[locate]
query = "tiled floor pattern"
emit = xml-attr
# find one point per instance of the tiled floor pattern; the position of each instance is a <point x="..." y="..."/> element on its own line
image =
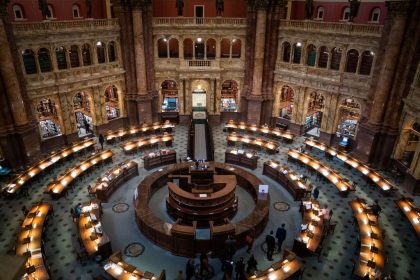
<point x="402" y="248"/>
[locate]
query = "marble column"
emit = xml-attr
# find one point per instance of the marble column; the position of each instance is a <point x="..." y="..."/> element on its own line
<point x="300" y="107"/>
<point x="327" y="131"/>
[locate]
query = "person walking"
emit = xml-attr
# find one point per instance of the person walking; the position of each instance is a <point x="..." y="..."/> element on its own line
<point x="251" y="265"/>
<point x="250" y="238"/>
<point x="189" y="269"/>
<point x="101" y="140"/>
<point x="271" y="244"/>
<point x="240" y="269"/>
<point x="315" y="193"/>
<point x="281" y="236"/>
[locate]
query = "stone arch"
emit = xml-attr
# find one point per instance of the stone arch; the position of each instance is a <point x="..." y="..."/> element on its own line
<point x="229" y="96"/>
<point x="48" y="113"/>
<point x="112" y="102"/>
<point x="169" y="90"/>
<point x="284" y="97"/>
<point x="348" y="115"/>
<point x="83" y="112"/>
<point x="314" y="109"/>
<point x="406" y="146"/>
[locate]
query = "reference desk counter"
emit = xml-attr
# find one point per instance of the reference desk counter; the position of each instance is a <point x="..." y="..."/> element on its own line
<point x="130" y="147"/>
<point x="90" y="230"/>
<point x="241" y="157"/>
<point x="280" y="270"/>
<point x="255" y="143"/>
<point x="411" y="212"/>
<point x="120" y="270"/>
<point x="56" y="188"/>
<point x="371" y="257"/>
<point x="385" y="186"/>
<point x="264" y="130"/>
<point x="122" y="133"/>
<point x="290" y="180"/>
<point x="114" y="178"/>
<point x="163" y="157"/>
<point x="29" y="241"/>
<point x="37" y="168"/>
<point x="342" y="185"/>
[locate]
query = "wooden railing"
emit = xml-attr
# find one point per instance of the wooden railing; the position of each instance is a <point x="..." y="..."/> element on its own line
<point x="170" y="21"/>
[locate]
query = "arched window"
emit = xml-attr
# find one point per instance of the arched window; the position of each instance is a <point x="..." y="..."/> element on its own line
<point x="311" y="55"/>
<point x="111" y="103"/>
<point x="286" y="102"/>
<point x="286" y="52"/>
<point x="83" y="113"/>
<point x="366" y="63"/>
<point x="229" y="96"/>
<point x="28" y="57"/>
<point x="349" y="115"/>
<point x="76" y="11"/>
<point x="375" y="14"/>
<point x="74" y="56"/>
<point x="44" y="60"/>
<point x="50" y="12"/>
<point x="111" y="52"/>
<point x="199" y="48"/>
<point x="225" y="48"/>
<point x="100" y="52"/>
<point x="335" y="59"/>
<point x="320" y="13"/>
<point x="169" y="96"/>
<point x="86" y="55"/>
<point x="60" y="54"/>
<point x="323" y="57"/>
<point x="352" y="60"/>
<point x="315" y="112"/>
<point x="18" y="12"/>
<point x="211" y="48"/>
<point x="346" y="14"/>
<point x="49" y="122"/>
<point x="236" y="48"/>
<point x="162" y="48"/>
<point x="188" y="49"/>
<point x="297" y="52"/>
<point x="173" y="48"/>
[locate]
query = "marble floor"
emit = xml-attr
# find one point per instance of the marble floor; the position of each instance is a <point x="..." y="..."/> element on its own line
<point x="401" y="246"/>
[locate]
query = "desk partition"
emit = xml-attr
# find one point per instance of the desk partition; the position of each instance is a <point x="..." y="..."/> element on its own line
<point x="280" y="270"/>
<point x="37" y="168"/>
<point x="241" y="157"/>
<point x="411" y="212"/>
<point x="383" y="184"/>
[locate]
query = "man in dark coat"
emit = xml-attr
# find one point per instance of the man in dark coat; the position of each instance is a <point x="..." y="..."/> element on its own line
<point x="271" y="244"/>
<point x="190" y="269"/>
<point x="281" y="236"/>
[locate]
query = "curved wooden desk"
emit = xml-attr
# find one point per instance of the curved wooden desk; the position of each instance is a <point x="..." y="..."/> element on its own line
<point x="241" y="157"/>
<point x="133" y="146"/>
<point x="257" y="143"/>
<point x="411" y="212"/>
<point x="123" y="133"/>
<point x="159" y="232"/>
<point x="276" y="133"/>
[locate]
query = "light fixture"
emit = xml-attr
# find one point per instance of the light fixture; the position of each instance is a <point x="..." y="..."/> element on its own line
<point x="298" y="44"/>
<point x="199" y="39"/>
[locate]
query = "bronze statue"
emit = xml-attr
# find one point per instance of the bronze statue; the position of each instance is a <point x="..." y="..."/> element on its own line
<point x="354" y="8"/>
<point x="180" y="6"/>
<point x="309" y="8"/>
<point x="43" y="6"/>
<point x="220" y="6"/>
<point x="89" y="8"/>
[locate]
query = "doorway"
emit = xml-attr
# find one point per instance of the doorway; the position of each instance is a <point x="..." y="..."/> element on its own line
<point x="199" y="14"/>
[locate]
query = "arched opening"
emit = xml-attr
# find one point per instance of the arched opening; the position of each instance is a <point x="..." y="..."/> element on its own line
<point x="411" y="138"/>
<point x="323" y="57"/>
<point x="352" y="61"/>
<point x="229" y="96"/>
<point x="199" y="96"/>
<point x="225" y="48"/>
<point x="86" y="55"/>
<point x="297" y="52"/>
<point x="74" y="56"/>
<point x="112" y="52"/>
<point x="170" y="96"/>
<point x="100" y="52"/>
<point x="60" y="54"/>
<point x="49" y="123"/>
<point x="349" y="113"/>
<point x="18" y="12"/>
<point x="346" y="14"/>
<point x="50" y="12"/>
<point x="320" y="13"/>
<point x="44" y="60"/>
<point x="286" y="52"/>
<point x="314" y="114"/>
<point x="211" y="48"/>
<point x="199" y="48"/>
<point x="173" y="48"/>
<point x="188" y="49"/>
<point x="162" y="48"/>
<point x="366" y="63"/>
<point x="83" y="114"/>
<point x="286" y="102"/>
<point x="236" y="48"/>
<point x="76" y="11"/>
<point x="311" y="55"/>
<point x="335" y="59"/>
<point x="375" y="15"/>
<point x="28" y="57"/>
<point x="111" y="103"/>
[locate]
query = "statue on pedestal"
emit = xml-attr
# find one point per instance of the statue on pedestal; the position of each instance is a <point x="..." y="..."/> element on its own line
<point x="89" y="8"/>
<point x="309" y="9"/>
<point x="179" y="7"/>
<point x="354" y="8"/>
<point x="220" y="6"/>
<point x="43" y="6"/>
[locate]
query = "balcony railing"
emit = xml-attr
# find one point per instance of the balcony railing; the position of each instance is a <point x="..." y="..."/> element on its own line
<point x="219" y="21"/>
<point x="45" y="27"/>
<point x="332" y="27"/>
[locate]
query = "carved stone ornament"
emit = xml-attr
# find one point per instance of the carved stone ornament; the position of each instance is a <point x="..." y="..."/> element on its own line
<point x="399" y="8"/>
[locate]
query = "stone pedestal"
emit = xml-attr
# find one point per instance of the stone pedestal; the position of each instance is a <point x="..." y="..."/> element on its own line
<point x="411" y="184"/>
<point x="297" y="129"/>
<point x="254" y="110"/>
<point x="326" y="138"/>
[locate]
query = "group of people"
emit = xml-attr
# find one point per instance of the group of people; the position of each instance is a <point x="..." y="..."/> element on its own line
<point x="271" y="241"/>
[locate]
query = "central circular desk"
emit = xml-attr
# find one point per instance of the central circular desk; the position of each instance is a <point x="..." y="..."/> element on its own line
<point x="180" y="238"/>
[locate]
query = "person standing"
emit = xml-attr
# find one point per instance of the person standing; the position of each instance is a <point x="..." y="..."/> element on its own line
<point x="240" y="269"/>
<point x="316" y="193"/>
<point x="101" y="140"/>
<point x="271" y="244"/>
<point x="251" y="265"/>
<point x="250" y="238"/>
<point x="189" y="269"/>
<point x="281" y="236"/>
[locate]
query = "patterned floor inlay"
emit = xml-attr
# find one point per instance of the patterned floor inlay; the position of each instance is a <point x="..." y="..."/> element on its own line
<point x="120" y="207"/>
<point x="281" y="206"/>
<point x="134" y="249"/>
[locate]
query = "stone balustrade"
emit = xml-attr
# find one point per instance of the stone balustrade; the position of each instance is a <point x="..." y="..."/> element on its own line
<point x="192" y="21"/>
